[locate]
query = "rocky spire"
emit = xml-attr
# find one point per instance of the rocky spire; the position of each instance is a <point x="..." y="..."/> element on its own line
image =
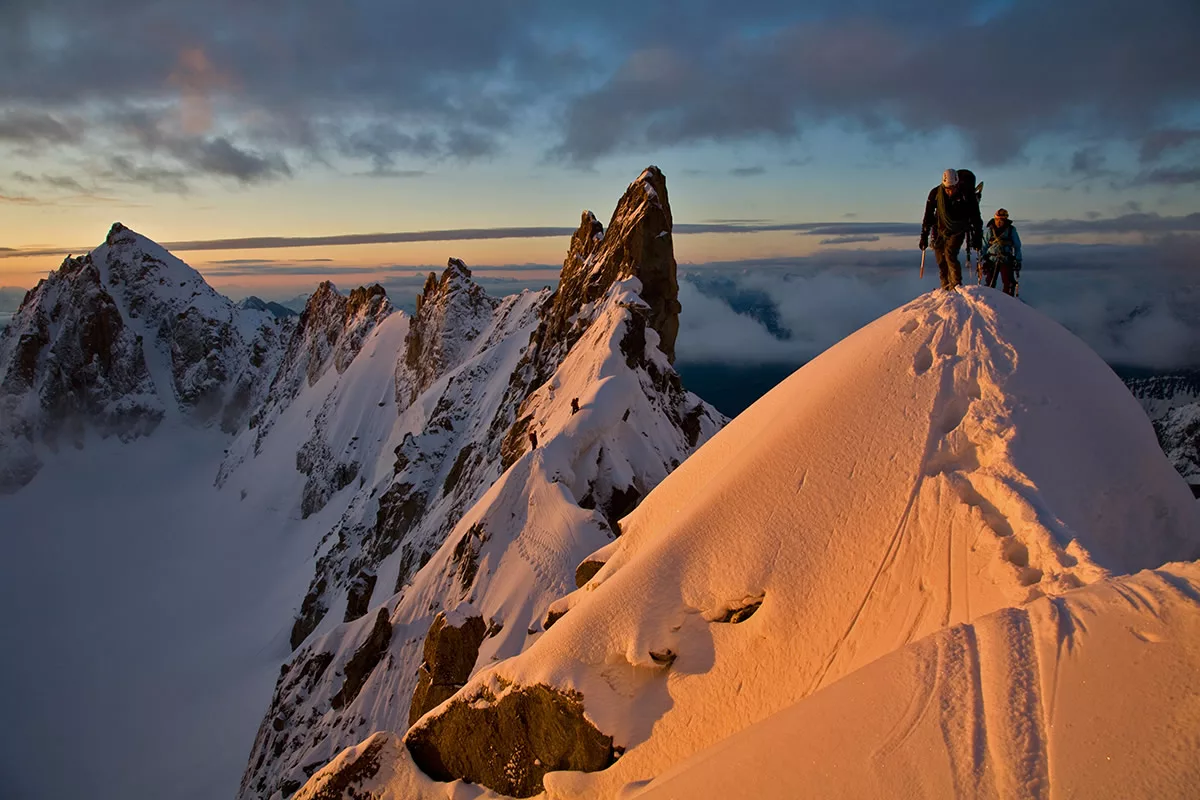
<point x="637" y="244"/>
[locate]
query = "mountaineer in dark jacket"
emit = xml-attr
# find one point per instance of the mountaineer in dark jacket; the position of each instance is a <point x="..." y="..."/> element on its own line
<point x="952" y="216"/>
<point x="1001" y="253"/>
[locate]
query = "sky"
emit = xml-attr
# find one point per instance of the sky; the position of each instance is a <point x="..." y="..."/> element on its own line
<point x="274" y="144"/>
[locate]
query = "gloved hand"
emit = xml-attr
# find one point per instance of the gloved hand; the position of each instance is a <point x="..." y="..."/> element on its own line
<point x="976" y="243"/>
<point x="924" y="241"/>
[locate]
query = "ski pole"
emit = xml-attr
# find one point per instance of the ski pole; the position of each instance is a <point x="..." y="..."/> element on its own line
<point x="922" y="264"/>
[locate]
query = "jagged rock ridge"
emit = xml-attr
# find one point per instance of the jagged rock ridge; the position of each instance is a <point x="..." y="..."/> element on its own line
<point x="509" y="410"/>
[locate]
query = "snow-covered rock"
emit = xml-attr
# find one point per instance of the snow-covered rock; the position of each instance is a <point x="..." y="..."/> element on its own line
<point x="961" y="455"/>
<point x="1171" y="401"/>
<point x="118" y="339"/>
<point x="521" y="431"/>
<point x="1179" y="434"/>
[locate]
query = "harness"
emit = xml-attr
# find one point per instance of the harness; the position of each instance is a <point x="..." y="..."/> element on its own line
<point x="1003" y="238"/>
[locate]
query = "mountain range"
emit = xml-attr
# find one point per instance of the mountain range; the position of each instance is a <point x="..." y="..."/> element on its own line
<point x="947" y="556"/>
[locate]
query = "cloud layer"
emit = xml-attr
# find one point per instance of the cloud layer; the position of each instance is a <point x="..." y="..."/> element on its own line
<point x="165" y="95"/>
<point x="1136" y="306"/>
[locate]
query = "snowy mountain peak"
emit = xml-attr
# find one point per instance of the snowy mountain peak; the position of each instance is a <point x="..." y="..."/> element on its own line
<point x="277" y="310"/>
<point x="119" y="339"/>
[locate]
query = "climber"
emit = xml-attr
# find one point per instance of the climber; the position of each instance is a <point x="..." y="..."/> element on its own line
<point x="952" y="216"/>
<point x="1001" y="253"/>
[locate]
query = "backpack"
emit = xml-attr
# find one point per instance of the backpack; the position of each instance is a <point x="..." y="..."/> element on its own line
<point x="967" y="177"/>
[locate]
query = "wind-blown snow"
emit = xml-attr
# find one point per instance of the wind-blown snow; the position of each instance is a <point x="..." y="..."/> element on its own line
<point x="960" y="455"/>
<point x="1088" y="695"/>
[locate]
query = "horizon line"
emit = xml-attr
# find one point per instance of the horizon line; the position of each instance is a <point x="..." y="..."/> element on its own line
<point x="1126" y="223"/>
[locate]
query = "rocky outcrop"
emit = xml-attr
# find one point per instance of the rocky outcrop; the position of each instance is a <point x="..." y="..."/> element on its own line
<point x="68" y="362"/>
<point x="546" y="726"/>
<point x="364" y="660"/>
<point x="638" y="245"/>
<point x="451" y="314"/>
<point x="346" y="777"/>
<point x="1171" y="402"/>
<point x="359" y="598"/>
<point x="327" y="474"/>
<point x="1178" y="433"/>
<point x="443" y="467"/>
<point x="451" y="648"/>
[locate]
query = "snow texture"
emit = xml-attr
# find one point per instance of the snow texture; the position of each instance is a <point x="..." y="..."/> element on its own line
<point x="961" y="455"/>
<point x="1091" y="694"/>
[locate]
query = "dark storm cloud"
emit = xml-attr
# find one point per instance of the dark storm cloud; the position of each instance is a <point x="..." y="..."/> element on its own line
<point x="1032" y="67"/>
<point x="1168" y="176"/>
<point x="251" y="91"/>
<point x="36" y="128"/>
<point x="1158" y="143"/>
<point x="222" y="158"/>
<point x="123" y="169"/>
<point x="231" y="89"/>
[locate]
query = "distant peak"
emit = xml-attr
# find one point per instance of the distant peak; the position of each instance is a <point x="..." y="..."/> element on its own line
<point x="118" y="232"/>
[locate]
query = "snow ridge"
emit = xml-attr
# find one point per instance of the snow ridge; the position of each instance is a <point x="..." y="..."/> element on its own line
<point x="512" y="462"/>
<point x="959" y="456"/>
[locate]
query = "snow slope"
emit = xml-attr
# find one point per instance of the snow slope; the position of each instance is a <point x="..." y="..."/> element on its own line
<point x="960" y="455"/>
<point x="1091" y="694"/>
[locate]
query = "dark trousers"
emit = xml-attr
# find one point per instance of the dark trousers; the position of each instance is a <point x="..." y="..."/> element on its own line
<point x="1006" y="271"/>
<point x="946" y="252"/>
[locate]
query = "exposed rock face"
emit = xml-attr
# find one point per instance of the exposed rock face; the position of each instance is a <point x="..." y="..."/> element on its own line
<point x="1179" y="435"/>
<point x="364" y="660"/>
<point x="451" y="313"/>
<point x="330" y="331"/>
<point x="326" y="473"/>
<point x="450" y="653"/>
<point x="637" y="244"/>
<point x="352" y="769"/>
<point x="359" y="599"/>
<point x="544" y="725"/>
<point x="329" y="334"/>
<point x="1171" y="401"/>
<point x="587" y="570"/>
<point x="84" y="350"/>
